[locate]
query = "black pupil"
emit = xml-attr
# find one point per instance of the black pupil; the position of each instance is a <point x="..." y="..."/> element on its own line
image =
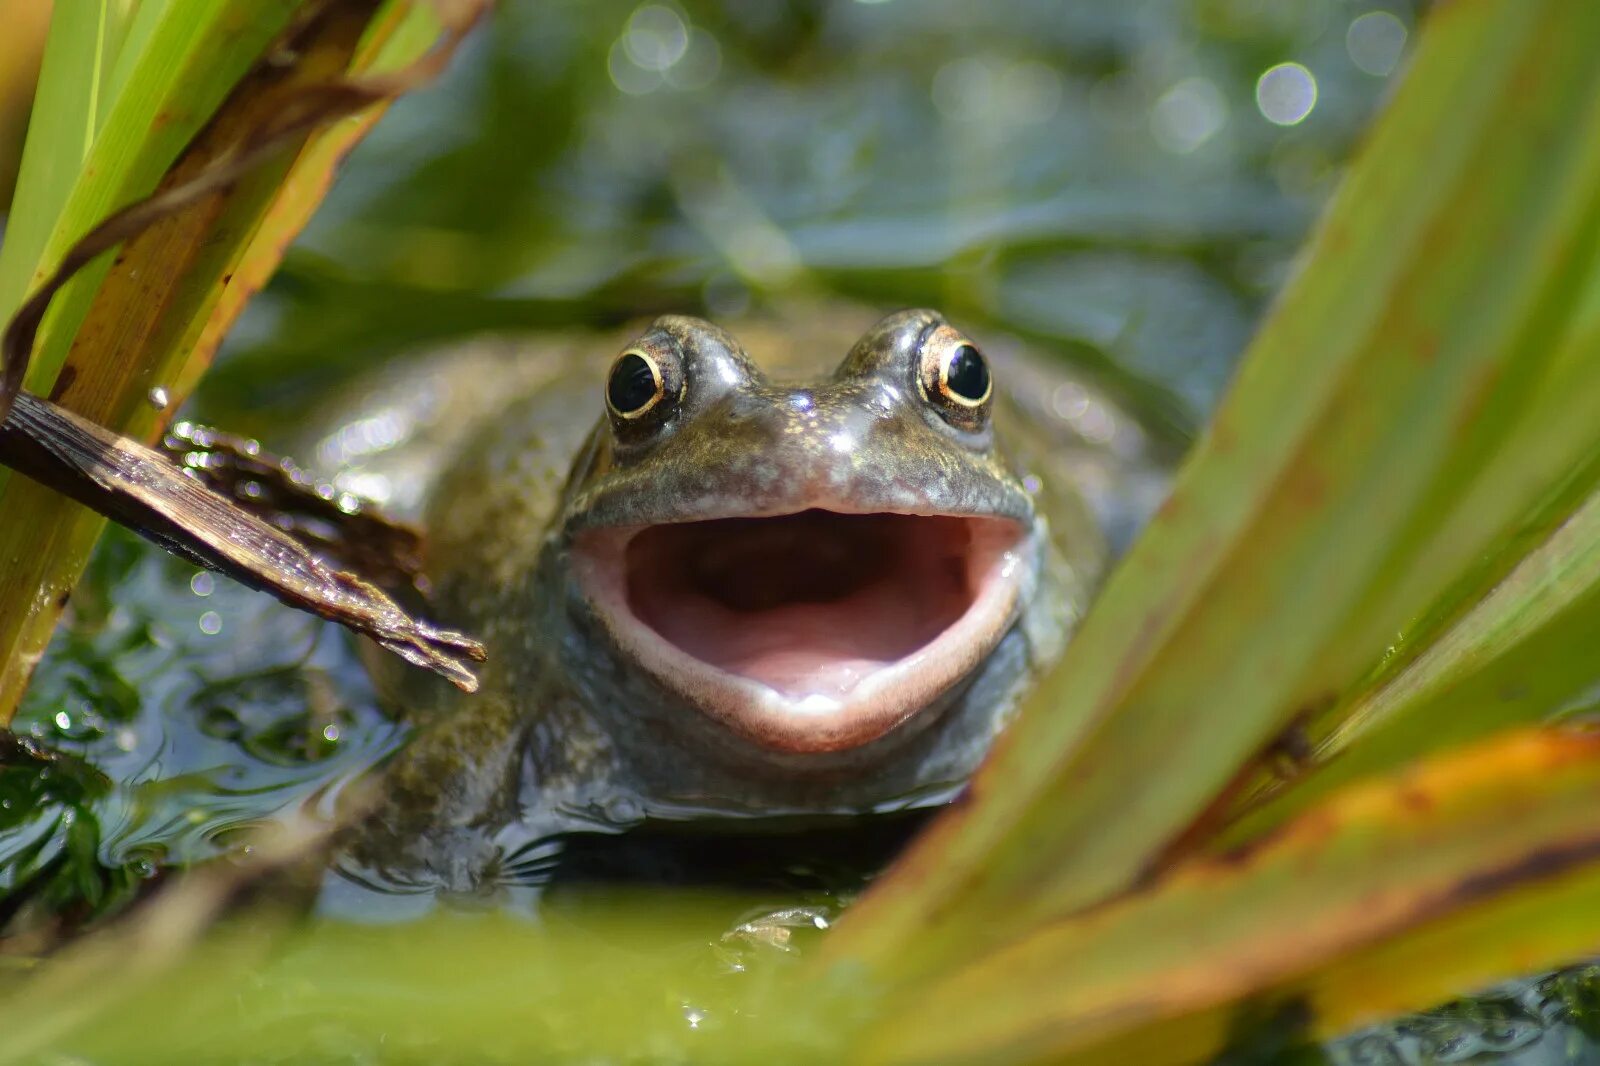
<point x="632" y="384"/>
<point x="967" y="375"/>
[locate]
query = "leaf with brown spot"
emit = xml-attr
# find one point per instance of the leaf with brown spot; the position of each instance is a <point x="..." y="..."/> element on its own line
<point x="1501" y="834"/>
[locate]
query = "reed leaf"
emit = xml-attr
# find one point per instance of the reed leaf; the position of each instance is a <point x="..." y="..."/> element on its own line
<point x="1478" y="865"/>
<point x="1406" y="410"/>
<point x="153" y="317"/>
<point x="1522" y="654"/>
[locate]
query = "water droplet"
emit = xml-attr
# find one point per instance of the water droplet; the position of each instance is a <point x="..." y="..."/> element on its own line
<point x="158" y="398"/>
<point x="1070" y="401"/>
<point x="1375" y="41"/>
<point x="1286" y="94"/>
<point x="623" y="810"/>
<point x="1188" y="115"/>
<point x="628" y="76"/>
<point x="203" y="583"/>
<point x="656" y="37"/>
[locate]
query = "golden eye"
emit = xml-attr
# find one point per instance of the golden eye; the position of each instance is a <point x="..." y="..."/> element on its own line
<point x="635" y="385"/>
<point x="964" y="376"/>
<point x="955" y="377"/>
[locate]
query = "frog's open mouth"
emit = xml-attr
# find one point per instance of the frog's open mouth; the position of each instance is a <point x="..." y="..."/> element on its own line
<point x="813" y="631"/>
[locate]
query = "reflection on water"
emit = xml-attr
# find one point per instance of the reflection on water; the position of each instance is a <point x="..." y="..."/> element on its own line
<point x="208" y="709"/>
<point x="1552" y="1021"/>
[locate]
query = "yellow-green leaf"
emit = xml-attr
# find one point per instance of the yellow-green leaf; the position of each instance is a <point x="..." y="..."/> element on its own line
<point x="1371" y="904"/>
<point x="1520" y="655"/>
<point x="154" y="316"/>
<point x="1387" y="428"/>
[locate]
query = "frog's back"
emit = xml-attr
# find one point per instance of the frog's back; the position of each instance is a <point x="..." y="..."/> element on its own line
<point x="388" y="437"/>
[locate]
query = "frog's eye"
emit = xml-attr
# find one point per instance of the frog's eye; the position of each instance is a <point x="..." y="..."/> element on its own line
<point x="636" y="385"/>
<point x="955" y="376"/>
<point x="964" y="376"/>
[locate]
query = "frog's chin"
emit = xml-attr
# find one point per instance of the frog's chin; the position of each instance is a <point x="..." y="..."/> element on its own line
<point x="814" y="631"/>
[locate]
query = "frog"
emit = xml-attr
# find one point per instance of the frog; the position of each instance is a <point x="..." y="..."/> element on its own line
<point x="802" y="567"/>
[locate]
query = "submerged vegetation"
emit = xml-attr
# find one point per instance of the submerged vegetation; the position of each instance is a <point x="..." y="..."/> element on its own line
<point x="1319" y="754"/>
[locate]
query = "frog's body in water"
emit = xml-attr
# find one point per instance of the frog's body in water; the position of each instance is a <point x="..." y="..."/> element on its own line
<point x="813" y="578"/>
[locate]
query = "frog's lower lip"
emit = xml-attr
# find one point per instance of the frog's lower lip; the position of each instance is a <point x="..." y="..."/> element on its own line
<point x="807" y="632"/>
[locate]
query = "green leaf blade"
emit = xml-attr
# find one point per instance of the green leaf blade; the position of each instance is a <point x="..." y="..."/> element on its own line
<point x="1498" y="834"/>
<point x="1334" y="499"/>
<point x="1519" y="656"/>
<point x="67" y="112"/>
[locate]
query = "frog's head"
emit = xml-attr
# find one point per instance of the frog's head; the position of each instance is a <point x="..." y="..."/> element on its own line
<point x="811" y="565"/>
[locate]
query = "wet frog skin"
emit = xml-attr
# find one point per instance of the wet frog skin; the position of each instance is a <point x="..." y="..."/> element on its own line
<point x="803" y="577"/>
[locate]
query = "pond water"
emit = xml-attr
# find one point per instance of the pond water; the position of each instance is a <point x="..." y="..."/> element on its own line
<point x="1121" y="184"/>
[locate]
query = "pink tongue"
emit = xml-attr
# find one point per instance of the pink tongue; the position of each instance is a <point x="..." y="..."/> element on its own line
<point x="807" y="605"/>
<point x="802" y="649"/>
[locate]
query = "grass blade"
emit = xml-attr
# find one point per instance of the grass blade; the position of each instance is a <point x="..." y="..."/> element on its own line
<point x="1504" y="645"/>
<point x="397" y="38"/>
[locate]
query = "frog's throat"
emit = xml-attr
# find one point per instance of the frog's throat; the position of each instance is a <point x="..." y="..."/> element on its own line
<point x="808" y="632"/>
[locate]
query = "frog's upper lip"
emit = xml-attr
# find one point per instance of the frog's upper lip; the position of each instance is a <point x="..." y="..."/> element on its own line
<point x="810" y="631"/>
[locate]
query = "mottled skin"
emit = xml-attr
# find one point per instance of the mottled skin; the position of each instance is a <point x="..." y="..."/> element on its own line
<point x="565" y="733"/>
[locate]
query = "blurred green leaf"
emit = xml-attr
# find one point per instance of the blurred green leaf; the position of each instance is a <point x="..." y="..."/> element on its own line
<point x="1467" y="868"/>
<point x="625" y="977"/>
<point x="1395" y="419"/>
<point x="1391" y="895"/>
